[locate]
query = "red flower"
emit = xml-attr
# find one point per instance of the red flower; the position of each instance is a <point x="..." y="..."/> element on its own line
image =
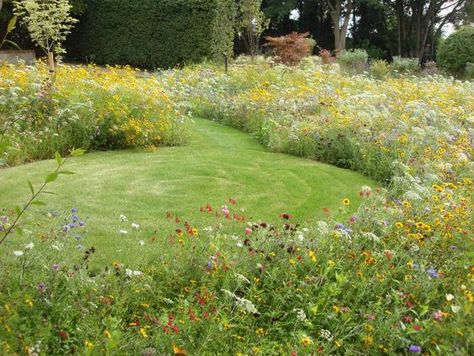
<point x="286" y="216"/>
<point x="63" y="335"/>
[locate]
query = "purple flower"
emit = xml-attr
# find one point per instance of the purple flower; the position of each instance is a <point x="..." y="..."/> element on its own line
<point x="432" y="272"/>
<point x="81" y="223"/>
<point x="56" y="267"/>
<point x="66" y="228"/>
<point x="75" y="218"/>
<point x="453" y="247"/>
<point x="73" y="210"/>
<point x="41" y="287"/>
<point x="78" y="237"/>
<point x="415" y="349"/>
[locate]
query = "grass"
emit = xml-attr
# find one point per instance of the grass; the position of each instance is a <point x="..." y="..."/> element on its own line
<point x="219" y="163"/>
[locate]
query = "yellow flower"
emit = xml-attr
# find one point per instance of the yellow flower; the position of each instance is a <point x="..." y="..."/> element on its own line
<point x="306" y="340"/>
<point x="399" y="225"/>
<point x="346" y="201"/>
<point x="107" y="334"/>
<point x="143" y="332"/>
<point x="88" y="344"/>
<point x="368" y="340"/>
<point x="312" y="255"/>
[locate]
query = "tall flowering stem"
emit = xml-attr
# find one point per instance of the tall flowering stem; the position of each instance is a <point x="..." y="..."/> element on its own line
<point x="51" y="177"/>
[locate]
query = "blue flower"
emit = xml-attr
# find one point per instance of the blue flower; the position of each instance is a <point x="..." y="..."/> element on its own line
<point x="432" y="272"/>
<point x="414" y="349"/>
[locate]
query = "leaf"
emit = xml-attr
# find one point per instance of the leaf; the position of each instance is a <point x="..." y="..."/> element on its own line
<point x="58" y="158"/>
<point x="65" y="172"/>
<point x="38" y="202"/>
<point x="31" y="188"/>
<point x="77" y="152"/>
<point x="13" y="44"/>
<point x="18" y="210"/>
<point x="11" y="24"/>
<point x="47" y="192"/>
<point x="51" y="177"/>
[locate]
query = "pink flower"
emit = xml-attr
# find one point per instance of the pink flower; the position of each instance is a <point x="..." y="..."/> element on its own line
<point x="438" y="315"/>
<point x="248" y="230"/>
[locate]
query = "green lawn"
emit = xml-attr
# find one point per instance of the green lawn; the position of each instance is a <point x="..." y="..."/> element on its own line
<point x="217" y="164"/>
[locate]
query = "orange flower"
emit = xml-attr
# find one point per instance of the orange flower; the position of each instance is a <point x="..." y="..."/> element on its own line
<point x="178" y="351"/>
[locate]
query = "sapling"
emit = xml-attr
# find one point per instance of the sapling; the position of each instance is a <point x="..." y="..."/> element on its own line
<point x="48" y="23"/>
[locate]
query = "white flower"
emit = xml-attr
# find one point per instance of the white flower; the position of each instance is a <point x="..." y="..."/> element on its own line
<point x="18" y="253"/>
<point x="326" y="334"/>
<point x="323" y="227"/>
<point x="135" y="226"/>
<point x="449" y="297"/>
<point x="239" y="244"/>
<point x="242" y="278"/>
<point x="295" y="14"/>
<point x="300" y="315"/>
<point x="131" y="273"/>
<point x="455" y="308"/>
<point x="123" y="232"/>
<point x="123" y="217"/>
<point x="141" y="243"/>
<point x="247" y="305"/>
<point x="30" y="246"/>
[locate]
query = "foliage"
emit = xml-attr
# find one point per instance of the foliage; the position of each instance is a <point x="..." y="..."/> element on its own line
<point x="251" y="23"/>
<point x="379" y="69"/>
<point x="10" y="27"/>
<point x="326" y="56"/>
<point x="90" y="107"/>
<point x="457" y="50"/>
<point x="405" y="65"/>
<point x="48" y="22"/>
<point x="353" y="61"/>
<point x="151" y="34"/>
<point x="469" y="71"/>
<point x="292" y="48"/>
<point x="8" y="228"/>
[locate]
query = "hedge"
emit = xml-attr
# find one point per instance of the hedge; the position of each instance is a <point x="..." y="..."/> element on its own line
<point x="153" y="33"/>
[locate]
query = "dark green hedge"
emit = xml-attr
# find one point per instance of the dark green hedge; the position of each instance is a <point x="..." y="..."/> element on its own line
<point x="153" y="33"/>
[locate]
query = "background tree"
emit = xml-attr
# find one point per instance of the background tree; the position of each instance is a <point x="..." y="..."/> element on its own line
<point x="341" y="12"/>
<point x="420" y="22"/>
<point x="251" y="23"/>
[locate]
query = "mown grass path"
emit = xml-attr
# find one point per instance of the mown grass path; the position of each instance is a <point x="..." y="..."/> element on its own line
<point x="218" y="163"/>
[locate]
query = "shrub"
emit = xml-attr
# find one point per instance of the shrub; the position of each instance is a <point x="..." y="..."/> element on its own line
<point x="402" y="65"/>
<point x="469" y="71"/>
<point x="153" y="33"/>
<point x="379" y="69"/>
<point x="354" y="61"/>
<point x="292" y="48"/>
<point x="326" y="56"/>
<point x="457" y="50"/>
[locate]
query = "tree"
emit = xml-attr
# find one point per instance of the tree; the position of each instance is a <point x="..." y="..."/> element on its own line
<point x="251" y="23"/>
<point x="48" y="22"/>
<point x="421" y="21"/>
<point x="340" y="11"/>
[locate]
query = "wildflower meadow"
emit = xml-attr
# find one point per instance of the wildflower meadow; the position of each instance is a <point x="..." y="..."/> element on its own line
<point x="385" y="267"/>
